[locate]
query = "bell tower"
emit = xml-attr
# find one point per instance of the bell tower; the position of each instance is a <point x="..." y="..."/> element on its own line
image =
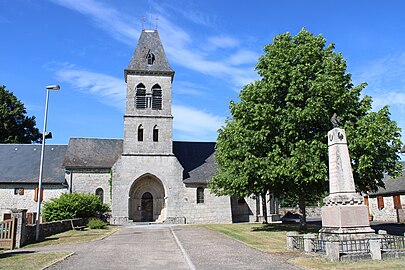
<point x="148" y="119"/>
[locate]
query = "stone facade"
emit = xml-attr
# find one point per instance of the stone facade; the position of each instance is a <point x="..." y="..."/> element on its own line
<point x="89" y="181"/>
<point x="388" y="213"/>
<point x="129" y="171"/>
<point x="214" y="209"/>
<point x="9" y="200"/>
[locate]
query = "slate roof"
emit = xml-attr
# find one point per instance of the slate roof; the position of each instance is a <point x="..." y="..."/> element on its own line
<point x="393" y="186"/>
<point x="92" y="153"/>
<point x="197" y="159"/>
<point x="149" y="41"/>
<point x="403" y="149"/>
<point x="19" y="163"/>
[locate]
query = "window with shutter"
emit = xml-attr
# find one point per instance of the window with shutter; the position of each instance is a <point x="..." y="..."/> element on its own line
<point x="140" y="98"/>
<point x="156" y="97"/>
<point x="380" y="202"/>
<point x="397" y="202"/>
<point x="36" y="194"/>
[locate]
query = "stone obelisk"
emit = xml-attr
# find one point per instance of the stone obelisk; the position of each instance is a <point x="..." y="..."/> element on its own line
<point x="344" y="215"/>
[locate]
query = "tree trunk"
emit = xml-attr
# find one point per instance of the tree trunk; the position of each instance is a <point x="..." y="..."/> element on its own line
<point x="303" y="216"/>
<point x="264" y="208"/>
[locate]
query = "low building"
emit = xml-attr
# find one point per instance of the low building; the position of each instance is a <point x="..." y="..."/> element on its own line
<point x="19" y="172"/>
<point x="388" y="204"/>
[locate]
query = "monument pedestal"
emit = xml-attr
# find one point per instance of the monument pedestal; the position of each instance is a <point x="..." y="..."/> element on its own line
<point x="345" y="222"/>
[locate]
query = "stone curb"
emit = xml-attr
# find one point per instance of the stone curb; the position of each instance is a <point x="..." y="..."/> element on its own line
<point x="57" y="261"/>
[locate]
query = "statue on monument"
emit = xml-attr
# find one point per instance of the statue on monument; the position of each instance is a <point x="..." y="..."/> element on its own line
<point x="335" y="120"/>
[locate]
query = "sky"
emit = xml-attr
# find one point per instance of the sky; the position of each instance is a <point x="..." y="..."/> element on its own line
<point x="213" y="46"/>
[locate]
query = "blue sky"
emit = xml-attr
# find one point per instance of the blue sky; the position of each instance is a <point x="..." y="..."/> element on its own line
<point x="213" y="47"/>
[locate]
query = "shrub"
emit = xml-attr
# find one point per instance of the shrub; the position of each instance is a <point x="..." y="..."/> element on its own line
<point x="73" y="205"/>
<point x="95" y="223"/>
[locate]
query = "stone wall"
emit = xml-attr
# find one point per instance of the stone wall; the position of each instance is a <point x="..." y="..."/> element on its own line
<point x="49" y="228"/>
<point x="214" y="209"/>
<point x="312" y="211"/>
<point x="10" y="200"/>
<point x="87" y="181"/>
<point x="388" y="213"/>
<point x="245" y="210"/>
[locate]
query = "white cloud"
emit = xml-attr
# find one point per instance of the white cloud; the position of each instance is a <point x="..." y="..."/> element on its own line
<point x="194" y="124"/>
<point x="223" y="42"/>
<point x="108" y="89"/>
<point x="188" y="88"/>
<point x="386" y="80"/>
<point x="244" y="57"/>
<point x="105" y="16"/>
<point x="177" y="42"/>
<point x="390" y="98"/>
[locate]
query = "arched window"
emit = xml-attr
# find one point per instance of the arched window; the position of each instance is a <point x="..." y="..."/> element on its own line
<point x="200" y="195"/>
<point x="150" y="57"/>
<point x="100" y="194"/>
<point x="140" y="133"/>
<point x="140" y="99"/>
<point x="155" y="134"/>
<point x="156" y="97"/>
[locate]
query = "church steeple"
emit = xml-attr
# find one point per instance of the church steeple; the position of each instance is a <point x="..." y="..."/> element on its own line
<point x="149" y="57"/>
<point x="148" y="116"/>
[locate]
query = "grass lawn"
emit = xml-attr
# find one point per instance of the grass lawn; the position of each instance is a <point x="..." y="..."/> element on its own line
<point x="73" y="237"/>
<point x="28" y="260"/>
<point x="272" y="239"/>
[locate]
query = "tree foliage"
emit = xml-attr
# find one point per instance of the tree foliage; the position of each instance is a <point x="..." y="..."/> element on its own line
<point x="15" y="126"/>
<point x="73" y="205"/>
<point x="276" y="138"/>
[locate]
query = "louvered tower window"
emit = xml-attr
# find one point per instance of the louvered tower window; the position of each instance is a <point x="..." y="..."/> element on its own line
<point x="156" y="97"/>
<point x="140" y="98"/>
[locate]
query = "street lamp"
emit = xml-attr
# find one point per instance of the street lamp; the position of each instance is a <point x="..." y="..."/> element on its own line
<point x="41" y="166"/>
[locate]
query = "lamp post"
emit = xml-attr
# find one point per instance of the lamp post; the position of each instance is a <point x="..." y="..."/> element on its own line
<point x="41" y="166"/>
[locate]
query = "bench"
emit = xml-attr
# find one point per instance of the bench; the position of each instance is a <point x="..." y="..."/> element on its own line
<point x="77" y="228"/>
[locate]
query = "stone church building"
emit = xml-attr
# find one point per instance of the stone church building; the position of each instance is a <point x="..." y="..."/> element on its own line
<point x="146" y="176"/>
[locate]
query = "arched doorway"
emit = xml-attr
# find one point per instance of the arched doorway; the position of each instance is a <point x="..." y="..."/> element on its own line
<point x="147" y="207"/>
<point x="147" y="200"/>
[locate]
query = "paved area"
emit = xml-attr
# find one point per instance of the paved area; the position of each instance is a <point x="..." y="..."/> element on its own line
<point x="166" y="247"/>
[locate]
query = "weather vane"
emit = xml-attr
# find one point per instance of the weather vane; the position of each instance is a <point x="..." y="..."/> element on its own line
<point x="157" y="21"/>
<point x="143" y="22"/>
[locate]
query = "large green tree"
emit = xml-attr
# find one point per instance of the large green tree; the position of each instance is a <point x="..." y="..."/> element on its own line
<point x="276" y="138"/>
<point x="15" y="125"/>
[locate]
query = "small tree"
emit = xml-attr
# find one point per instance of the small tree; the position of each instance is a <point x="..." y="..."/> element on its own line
<point x="73" y="205"/>
<point x="15" y="126"/>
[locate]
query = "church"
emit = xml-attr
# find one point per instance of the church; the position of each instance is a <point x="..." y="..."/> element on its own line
<point x="146" y="176"/>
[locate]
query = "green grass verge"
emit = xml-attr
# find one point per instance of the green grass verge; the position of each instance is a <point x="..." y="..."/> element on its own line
<point x="74" y="237"/>
<point x="271" y="238"/>
<point x="28" y="260"/>
<point x="322" y="263"/>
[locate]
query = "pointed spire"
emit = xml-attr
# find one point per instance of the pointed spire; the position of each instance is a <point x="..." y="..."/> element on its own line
<point x="149" y="56"/>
